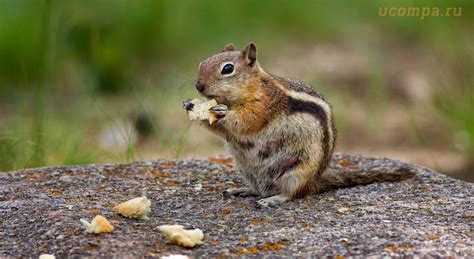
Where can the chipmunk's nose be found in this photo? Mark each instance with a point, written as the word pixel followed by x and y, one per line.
pixel 200 85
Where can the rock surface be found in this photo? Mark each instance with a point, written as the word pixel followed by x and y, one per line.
pixel 430 214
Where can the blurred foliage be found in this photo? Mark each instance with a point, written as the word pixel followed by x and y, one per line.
pixel 112 41
pixel 57 55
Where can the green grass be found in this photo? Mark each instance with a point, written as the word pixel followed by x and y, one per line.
pixel 457 108
pixel 60 146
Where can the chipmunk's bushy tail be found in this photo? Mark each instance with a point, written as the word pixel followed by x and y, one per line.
pixel 332 179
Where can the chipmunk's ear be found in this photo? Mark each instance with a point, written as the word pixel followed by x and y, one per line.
pixel 229 47
pixel 249 54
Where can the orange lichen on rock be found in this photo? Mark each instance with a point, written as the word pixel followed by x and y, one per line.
pixel 272 246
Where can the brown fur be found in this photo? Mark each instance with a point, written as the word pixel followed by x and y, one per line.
pixel 280 131
pixel 332 180
pixel 270 147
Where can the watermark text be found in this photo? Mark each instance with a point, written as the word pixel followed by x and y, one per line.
pixel 420 12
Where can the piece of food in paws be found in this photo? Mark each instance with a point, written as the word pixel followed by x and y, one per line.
pixel 98 225
pixel 199 110
pixel 182 237
pixel 137 208
pixel 47 256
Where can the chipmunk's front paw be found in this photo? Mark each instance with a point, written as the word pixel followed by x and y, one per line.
pixel 188 105
pixel 219 111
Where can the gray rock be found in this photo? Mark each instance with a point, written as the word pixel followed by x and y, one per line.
pixel 428 215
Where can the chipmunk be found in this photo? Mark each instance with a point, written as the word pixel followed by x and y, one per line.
pixel 280 131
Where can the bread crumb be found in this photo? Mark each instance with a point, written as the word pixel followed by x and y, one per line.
pixel 182 237
pixel 47 256
pixel 98 225
pixel 201 112
pixel 135 208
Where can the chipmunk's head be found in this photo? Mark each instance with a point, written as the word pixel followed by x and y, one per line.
pixel 227 76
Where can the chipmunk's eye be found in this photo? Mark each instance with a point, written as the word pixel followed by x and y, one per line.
pixel 227 69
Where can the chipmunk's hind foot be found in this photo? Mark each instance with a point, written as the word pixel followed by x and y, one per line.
pixel 272 201
pixel 243 192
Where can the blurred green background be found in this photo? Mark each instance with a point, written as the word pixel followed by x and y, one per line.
pixel 102 81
